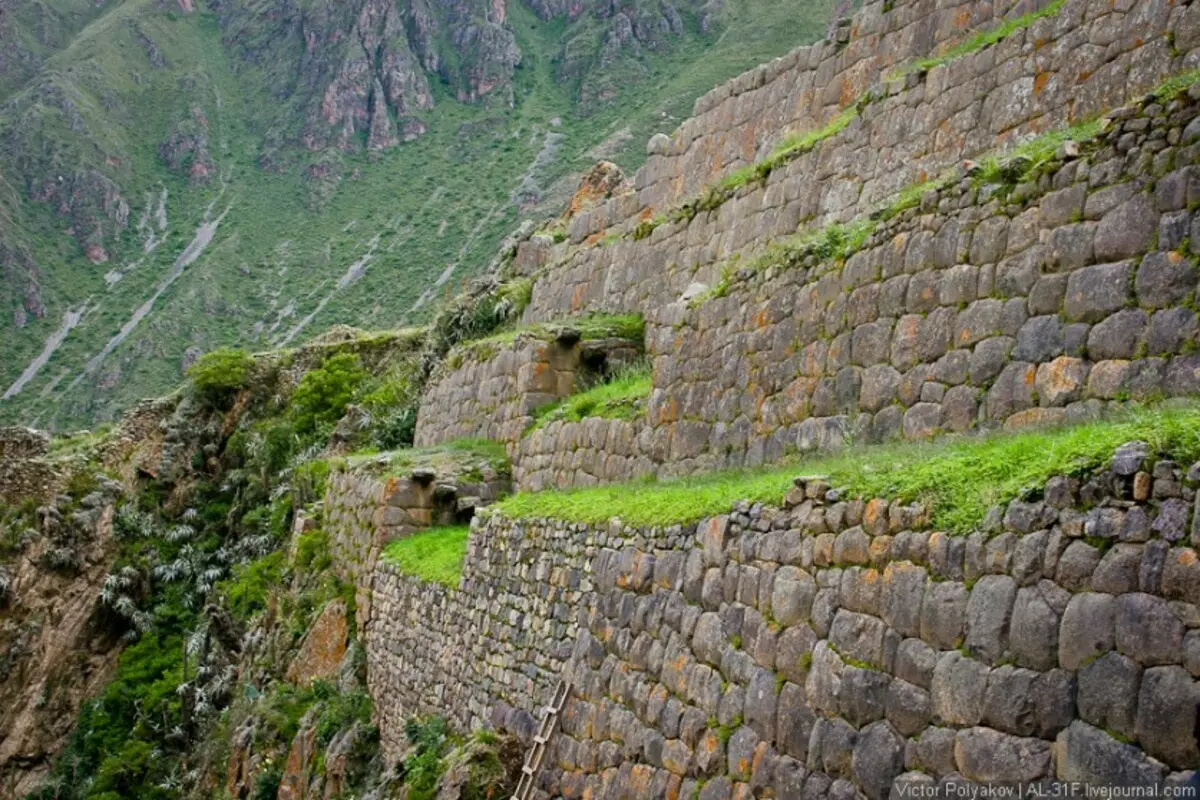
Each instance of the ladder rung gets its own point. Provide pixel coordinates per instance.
(527, 770)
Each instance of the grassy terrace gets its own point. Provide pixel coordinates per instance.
(433, 555)
(960, 479)
(622, 397)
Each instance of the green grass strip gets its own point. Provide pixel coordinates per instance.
(959, 479)
(620, 398)
(981, 40)
(432, 555)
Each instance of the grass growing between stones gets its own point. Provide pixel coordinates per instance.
(959, 479)
(434, 555)
(981, 40)
(1011, 166)
(622, 397)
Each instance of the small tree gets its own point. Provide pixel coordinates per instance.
(218, 375)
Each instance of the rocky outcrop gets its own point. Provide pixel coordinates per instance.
(364, 75)
(93, 205)
(186, 150)
(55, 655)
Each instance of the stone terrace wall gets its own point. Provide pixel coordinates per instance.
(837, 649)
(493, 648)
(494, 391)
(363, 512)
(1075, 292)
(24, 472)
(832, 648)
(1089, 57)
(593, 451)
(489, 390)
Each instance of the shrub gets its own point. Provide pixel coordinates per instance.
(247, 591)
(323, 394)
(312, 552)
(218, 375)
(425, 765)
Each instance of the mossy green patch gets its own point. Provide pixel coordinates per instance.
(959, 479)
(623, 397)
(432, 555)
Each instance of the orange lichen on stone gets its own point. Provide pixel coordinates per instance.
(323, 648)
(598, 184)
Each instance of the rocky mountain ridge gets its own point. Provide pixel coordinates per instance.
(129, 126)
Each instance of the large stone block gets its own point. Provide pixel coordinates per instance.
(1166, 716)
(943, 614)
(989, 610)
(989, 756)
(1087, 629)
(1108, 693)
(958, 689)
(877, 760)
(1095, 292)
(1089, 755)
(903, 590)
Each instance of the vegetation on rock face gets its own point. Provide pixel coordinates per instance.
(440, 764)
(959, 479)
(622, 396)
(221, 373)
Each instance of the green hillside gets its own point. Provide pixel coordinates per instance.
(159, 197)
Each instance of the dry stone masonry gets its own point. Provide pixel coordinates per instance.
(1026, 301)
(980, 308)
(493, 648)
(491, 389)
(1070, 67)
(834, 647)
(827, 647)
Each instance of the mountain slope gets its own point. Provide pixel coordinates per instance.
(174, 177)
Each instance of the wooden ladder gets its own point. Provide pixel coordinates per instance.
(537, 753)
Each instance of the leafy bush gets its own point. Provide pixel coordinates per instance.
(424, 767)
(323, 393)
(312, 552)
(247, 591)
(218, 375)
(341, 710)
